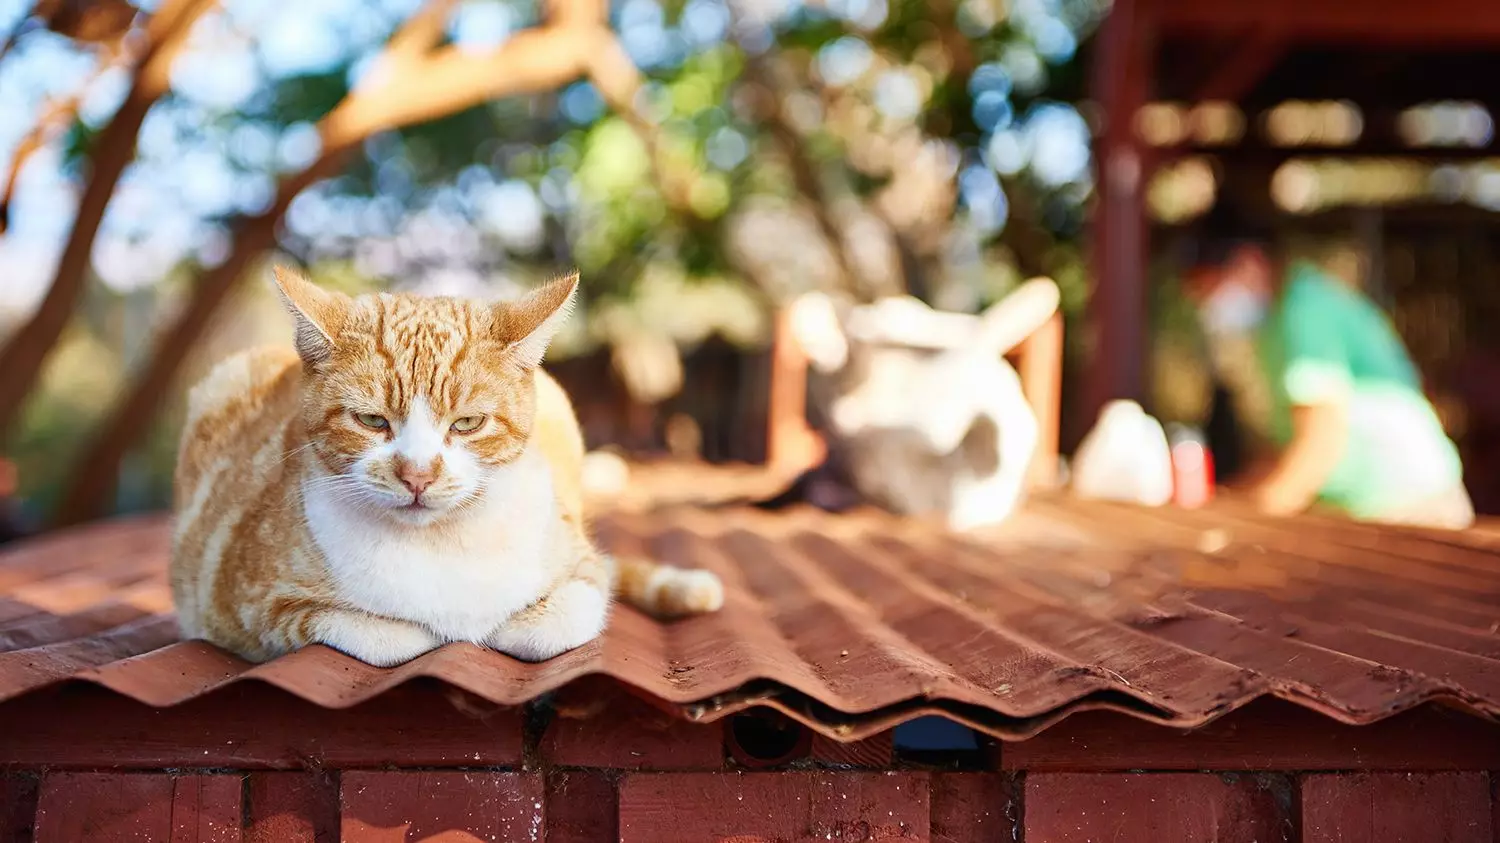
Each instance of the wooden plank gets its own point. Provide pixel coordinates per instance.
(108, 807)
(1149, 808)
(871, 753)
(782, 806)
(18, 792)
(1397, 808)
(251, 726)
(582, 807)
(441, 807)
(292, 808)
(207, 809)
(599, 726)
(103, 808)
(1266, 735)
(973, 808)
(1495, 804)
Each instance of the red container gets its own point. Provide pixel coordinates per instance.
(1192, 473)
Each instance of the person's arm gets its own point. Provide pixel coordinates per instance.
(1320, 434)
(1318, 385)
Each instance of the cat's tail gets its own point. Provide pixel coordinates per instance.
(665, 592)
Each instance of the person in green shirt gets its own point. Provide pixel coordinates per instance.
(1351, 427)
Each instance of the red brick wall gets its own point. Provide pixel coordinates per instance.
(615, 768)
(575, 806)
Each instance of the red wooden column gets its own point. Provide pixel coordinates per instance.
(1117, 307)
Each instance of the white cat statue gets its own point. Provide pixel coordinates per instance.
(928, 416)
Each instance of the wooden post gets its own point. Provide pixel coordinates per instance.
(792, 446)
(1039, 360)
(1117, 308)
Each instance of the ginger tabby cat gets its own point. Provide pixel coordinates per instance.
(409, 477)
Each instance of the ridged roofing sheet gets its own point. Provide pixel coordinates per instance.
(857, 622)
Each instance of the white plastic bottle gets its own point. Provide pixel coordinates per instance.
(1124, 458)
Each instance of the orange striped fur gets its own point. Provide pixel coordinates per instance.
(408, 476)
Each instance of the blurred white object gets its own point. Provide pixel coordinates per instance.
(605, 474)
(1124, 458)
(928, 415)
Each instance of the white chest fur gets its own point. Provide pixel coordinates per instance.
(460, 579)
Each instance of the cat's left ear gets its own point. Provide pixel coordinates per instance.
(529, 324)
(319, 314)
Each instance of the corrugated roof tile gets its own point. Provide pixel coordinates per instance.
(854, 623)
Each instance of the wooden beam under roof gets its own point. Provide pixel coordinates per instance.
(1363, 21)
(1237, 74)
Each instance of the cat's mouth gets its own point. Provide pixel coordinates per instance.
(416, 512)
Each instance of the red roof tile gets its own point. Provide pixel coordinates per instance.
(854, 623)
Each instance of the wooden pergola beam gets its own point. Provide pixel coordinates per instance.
(1236, 76)
(1366, 22)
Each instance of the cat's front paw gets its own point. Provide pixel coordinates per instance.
(382, 642)
(569, 617)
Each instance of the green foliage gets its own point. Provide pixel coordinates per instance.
(77, 145)
(651, 257)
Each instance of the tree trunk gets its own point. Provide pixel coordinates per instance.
(23, 355)
(418, 86)
(88, 492)
(56, 116)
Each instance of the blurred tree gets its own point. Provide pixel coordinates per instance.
(697, 159)
(26, 350)
(414, 79)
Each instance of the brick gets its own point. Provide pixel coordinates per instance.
(784, 806)
(1149, 808)
(582, 807)
(618, 731)
(108, 807)
(207, 809)
(871, 753)
(972, 808)
(1397, 808)
(292, 808)
(18, 793)
(441, 807)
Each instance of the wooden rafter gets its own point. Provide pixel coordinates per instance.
(1368, 21)
(1235, 76)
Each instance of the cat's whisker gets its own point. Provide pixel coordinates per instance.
(295, 451)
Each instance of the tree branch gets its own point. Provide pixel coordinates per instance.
(422, 32)
(56, 116)
(408, 88)
(451, 80)
(618, 82)
(25, 352)
(805, 176)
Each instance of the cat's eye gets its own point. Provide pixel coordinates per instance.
(372, 421)
(467, 424)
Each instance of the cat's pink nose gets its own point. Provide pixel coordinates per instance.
(416, 479)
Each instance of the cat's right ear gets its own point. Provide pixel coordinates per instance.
(318, 313)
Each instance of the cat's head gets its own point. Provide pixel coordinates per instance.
(412, 404)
